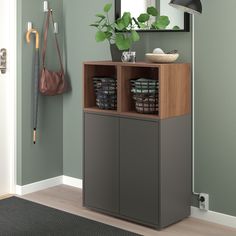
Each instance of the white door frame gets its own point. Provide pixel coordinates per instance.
(12, 93)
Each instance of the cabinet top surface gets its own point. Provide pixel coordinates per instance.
(141, 63)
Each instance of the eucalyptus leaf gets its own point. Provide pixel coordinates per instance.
(126, 18)
(109, 28)
(102, 26)
(135, 36)
(116, 26)
(176, 27)
(120, 24)
(108, 34)
(122, 42)
(143, 17)
(100, 36)
(162, 22)
(100, 16)
(154, 26)
(100, 20)
(107, 7)
(142, 25)
(95, 25)
(152, 11)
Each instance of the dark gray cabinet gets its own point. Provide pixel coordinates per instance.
(101, 172)
(138, 170)
(138, 166)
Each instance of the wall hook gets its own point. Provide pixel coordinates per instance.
(29, 26)
(55, 28)
(46, 9)
(45, 6)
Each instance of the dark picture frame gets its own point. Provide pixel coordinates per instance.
(186, 20)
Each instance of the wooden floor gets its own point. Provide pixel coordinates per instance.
(70, 199)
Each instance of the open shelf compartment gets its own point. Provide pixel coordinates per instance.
(129, 73)
(93, 71)
(174, 87)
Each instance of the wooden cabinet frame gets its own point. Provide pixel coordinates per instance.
(174, 87)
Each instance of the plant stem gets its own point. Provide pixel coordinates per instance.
(108, 20)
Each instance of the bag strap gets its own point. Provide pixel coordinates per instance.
(56, 41)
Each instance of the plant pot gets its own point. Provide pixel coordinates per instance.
(115, 53)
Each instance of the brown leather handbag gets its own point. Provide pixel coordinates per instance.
(52, 83)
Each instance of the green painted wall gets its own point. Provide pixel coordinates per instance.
(45, 159)
(79, 47)
(215, 104)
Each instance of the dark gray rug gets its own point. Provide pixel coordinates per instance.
(19, 217)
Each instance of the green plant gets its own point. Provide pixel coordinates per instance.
(120, 32)
(153, 20)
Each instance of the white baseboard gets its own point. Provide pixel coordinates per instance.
(214, 217)
(48, 183)
(74, 182)
(37, 186)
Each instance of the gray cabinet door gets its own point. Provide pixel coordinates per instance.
(139, 170)
(101, 162)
